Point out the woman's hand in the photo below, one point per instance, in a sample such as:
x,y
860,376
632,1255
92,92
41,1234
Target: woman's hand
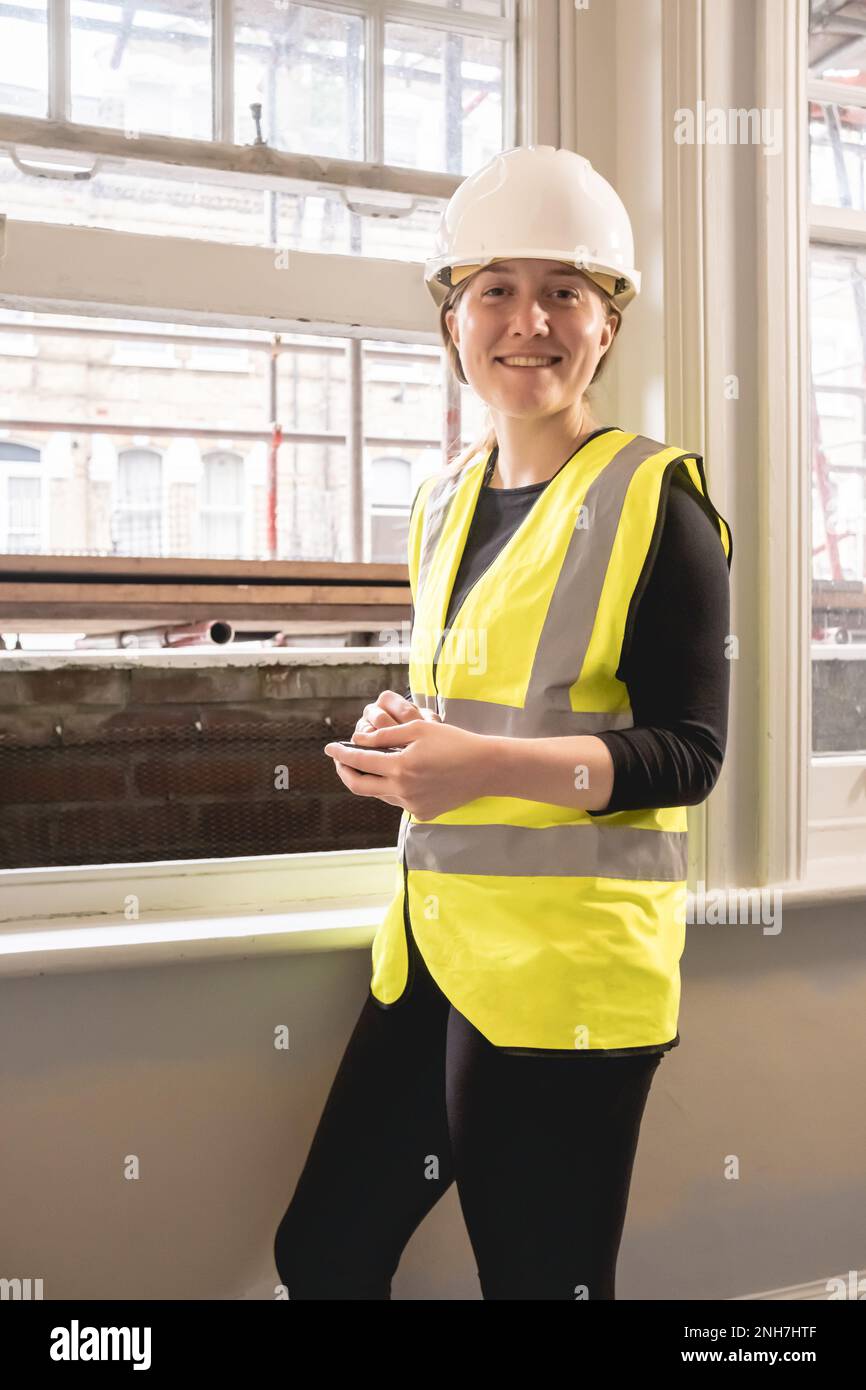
x,y
390,709
387,711
437,768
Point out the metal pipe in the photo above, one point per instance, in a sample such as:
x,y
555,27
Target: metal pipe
x,y
216,632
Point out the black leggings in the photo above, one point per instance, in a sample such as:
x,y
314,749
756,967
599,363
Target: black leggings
x,y
541,1148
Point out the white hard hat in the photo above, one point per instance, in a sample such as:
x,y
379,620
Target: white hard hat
x,y
540,203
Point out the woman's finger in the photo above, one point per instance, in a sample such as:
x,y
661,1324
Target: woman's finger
x,y
374,717
402,710
389,709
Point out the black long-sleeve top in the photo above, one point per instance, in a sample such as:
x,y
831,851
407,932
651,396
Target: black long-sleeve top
x,y
676,671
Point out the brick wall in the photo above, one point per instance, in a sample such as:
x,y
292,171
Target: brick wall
x,y
117,760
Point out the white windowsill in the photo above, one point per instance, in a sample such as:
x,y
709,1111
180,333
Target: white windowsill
x,y
102,916
48,947
830,881
57,944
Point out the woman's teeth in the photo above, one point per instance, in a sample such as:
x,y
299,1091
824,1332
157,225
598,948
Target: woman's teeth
x,y
528,361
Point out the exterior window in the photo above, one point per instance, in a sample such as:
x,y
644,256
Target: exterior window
x,y
138,512
837,324
20,471
223,504
389,486
306,69
443,98
24,58
142,68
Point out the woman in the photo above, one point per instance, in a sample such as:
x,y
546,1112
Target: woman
x,y
569,689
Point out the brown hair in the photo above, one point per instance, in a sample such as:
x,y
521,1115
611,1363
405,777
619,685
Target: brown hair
x,y
486,440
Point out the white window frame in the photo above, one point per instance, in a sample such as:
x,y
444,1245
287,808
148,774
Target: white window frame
x,y
118,507
780,817
23,468
70,269
837,805
242,512
222,151
530,109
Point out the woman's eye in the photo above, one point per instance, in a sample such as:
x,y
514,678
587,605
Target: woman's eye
x,y
563,289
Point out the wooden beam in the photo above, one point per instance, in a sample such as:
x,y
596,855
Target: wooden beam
x,y
94,270
144,568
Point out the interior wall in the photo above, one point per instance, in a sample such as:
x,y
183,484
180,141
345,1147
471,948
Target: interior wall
x,y
176,1065
618,127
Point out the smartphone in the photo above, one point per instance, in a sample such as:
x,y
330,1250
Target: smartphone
x,y
347,743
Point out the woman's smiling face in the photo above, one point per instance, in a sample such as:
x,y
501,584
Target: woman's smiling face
x,y
535,309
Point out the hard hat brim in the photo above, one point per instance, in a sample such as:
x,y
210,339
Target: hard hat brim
x,y
439,270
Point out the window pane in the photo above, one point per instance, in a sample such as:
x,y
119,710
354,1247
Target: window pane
x,y
402,402
473,413
223,535
311,384
408,238
485,7
139,477
24,58
223,480
838,355
837,52
403,391
132,203
391,479
136,522
837,149
115,428
87,378
443,99
143,67
219,212
24,504
223,510
322,222
306,69
21,453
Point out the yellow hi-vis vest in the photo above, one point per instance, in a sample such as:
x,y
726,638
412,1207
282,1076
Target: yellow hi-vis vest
x,y
547,928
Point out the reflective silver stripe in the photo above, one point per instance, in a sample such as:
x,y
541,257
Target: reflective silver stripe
x,y
436,510
558,662
562,646
559,851
508,721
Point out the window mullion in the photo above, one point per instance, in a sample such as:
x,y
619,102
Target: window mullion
x,y
525,81
223,71
355,447
510,51
374,86
59,44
